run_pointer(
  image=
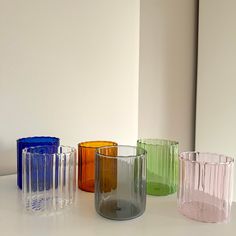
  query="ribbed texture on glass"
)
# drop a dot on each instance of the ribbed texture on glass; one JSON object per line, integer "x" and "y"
{"x": 205, "y": 186}
{"x": 86, "y": 163}
{"x": 31, "y": 142}
{"x": 162, "y": 165}
{"x": 120, "y": 185}
{"x": 48, "y": 178}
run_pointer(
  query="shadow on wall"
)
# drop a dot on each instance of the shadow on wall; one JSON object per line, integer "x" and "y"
{"x": 8, "y": 159}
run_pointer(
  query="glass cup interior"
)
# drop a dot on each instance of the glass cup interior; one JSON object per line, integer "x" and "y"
{"x": 206, "y": 157}
{"x": 158, "y": 142}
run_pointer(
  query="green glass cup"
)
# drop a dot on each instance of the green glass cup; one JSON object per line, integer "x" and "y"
{"x": 162, "y": 165}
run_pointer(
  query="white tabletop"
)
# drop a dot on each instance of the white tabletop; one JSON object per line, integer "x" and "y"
{"x": 160, "y": 218}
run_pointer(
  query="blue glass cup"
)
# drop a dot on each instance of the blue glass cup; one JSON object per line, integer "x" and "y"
{"x": 32, "y": 142}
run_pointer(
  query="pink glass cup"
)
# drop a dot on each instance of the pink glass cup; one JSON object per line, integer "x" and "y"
{"x": 205, "y": 186}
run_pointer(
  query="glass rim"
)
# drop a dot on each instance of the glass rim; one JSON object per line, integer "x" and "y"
{"x": 146, "y": 140}
{"x": 182, "y": 157}
{"x": 71, "y": 150}
{"x": 37, "y": 139}
{"x": 144, "y": 152}
{"x": 98, "y": 141}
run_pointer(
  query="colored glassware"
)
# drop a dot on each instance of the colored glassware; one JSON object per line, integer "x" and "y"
{"x": 54, "y": 185}
{"x": 162, "y": 165}
{"x": 126, "y": 199}
{"x": 205, "y": 186}
{"x": 31, "y": 142}
{"x": 86, "y": 163}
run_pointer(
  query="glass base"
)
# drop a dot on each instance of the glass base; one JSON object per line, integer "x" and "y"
{"x": 42, "y": 204}
{"x": 119, "y": 210}
{"x": 159, "y": 189}
{"x": 87, "y": 186}
{"x": 203, "y": 212}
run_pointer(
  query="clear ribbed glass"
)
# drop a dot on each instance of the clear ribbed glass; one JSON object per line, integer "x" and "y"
{"x": 162, "y": 165}
{"x": 205, "y": 186}
{"x": 120, "y": 183}
{"x": 48, "y": 178}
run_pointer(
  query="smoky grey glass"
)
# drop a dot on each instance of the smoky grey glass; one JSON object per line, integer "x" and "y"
{"x": 120, "y": 182}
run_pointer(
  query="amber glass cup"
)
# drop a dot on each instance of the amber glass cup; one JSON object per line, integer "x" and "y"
{"x": 86, "y": 164}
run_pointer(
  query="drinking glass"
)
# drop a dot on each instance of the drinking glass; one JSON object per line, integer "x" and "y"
{"x": 48, "y": 178}
{"x": 205, "y": 186}
{"x": 31, "y": 142}
{"x": 162, "y": 165}
{"x": 86, "y": 163}
{"x": 120, "y": 183}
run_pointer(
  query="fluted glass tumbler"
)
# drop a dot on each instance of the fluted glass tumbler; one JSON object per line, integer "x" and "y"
{"x": 48, "y": 178}
{"x": 162, "y": 165}
{"x": 120, "y": 183}
{"x": 205, "y": 186}
{"x": 31, "y": 142}
{"x": 86, "y": 163}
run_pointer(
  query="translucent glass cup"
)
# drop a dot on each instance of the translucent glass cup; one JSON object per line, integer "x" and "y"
{"x": 48, "y": 180}
{"x": 120, "y": 183}
{"x": 86, "y": 163}
{"x": 205, "y": 186}
{"x": 162, "y": 165}
{"x": 31, "y": 142}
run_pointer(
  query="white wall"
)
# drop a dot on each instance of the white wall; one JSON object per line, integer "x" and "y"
{"x": 68, "y": 69}
{"x": 216, "y": 96}
{"x": 167, "y": 70}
